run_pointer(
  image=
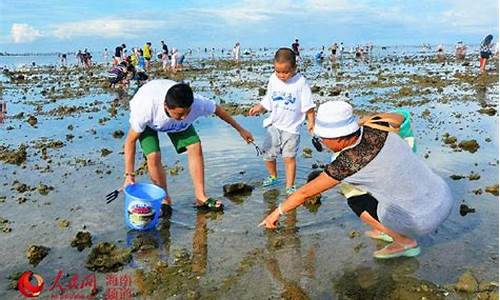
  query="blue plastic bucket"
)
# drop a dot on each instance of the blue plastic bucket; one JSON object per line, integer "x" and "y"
{"x": 142, "y": 205}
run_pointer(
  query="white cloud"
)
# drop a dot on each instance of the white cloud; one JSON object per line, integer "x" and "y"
{"x": 332, "y": 5}
{"x": 107, "y": 28}
{"x": 251, "y": 11}
{"x": 23, "y": 33}
{"x": 471, "y": 16}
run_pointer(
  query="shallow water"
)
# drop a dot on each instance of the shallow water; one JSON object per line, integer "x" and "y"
{"x": 317, "y": 254}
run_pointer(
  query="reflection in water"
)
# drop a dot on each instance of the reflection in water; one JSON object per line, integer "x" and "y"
{"x": 158, "y": 278}
{"x": 481, "y": 95}
{"x": 390, "y": 281}
{"x": 285, "y": 246}
{"x": 200, "y": 248}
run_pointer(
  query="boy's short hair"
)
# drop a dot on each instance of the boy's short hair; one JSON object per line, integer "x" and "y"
{"x": 179, "y": 95}
{"x": 285, "y": 55}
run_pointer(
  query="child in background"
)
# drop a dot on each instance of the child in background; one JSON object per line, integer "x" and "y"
{"x": 289, "y": 99}
{"x": 141, "y": 62}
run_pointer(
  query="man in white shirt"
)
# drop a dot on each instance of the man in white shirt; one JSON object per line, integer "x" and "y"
{"x": 171, "y": 107}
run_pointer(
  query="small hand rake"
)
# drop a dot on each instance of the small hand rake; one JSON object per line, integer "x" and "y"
{"x": 113, "y": 195}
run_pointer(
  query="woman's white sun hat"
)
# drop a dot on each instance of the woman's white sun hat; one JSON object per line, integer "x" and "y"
{"x": 335, "y": 119}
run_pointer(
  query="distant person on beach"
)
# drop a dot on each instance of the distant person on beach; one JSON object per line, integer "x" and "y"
{"x": 141, "y": 62}
{"x": 177, "y": 60}
{"x": 3, "y": 110}
{"x": 171, "y": 107}
{"x": 164, "y": 61}
{"x": 485, "y": 52}
{"x": 237, "y": 52}
{"x": 63, "y": 59}
{"x": 440, "y": 52}
{"x": 406, "y": 198}
{"x": 147, "y": 54}
{"x": 460, "y": 50}
{"x": 296, "y": 49}
{"x": 341, "y": 49}
{"x": 333, "y": 54}
{"x": 319, "y": 57}
{"x": 496, "y": 56}
{"x": 164, "y": 47}
{"x": 79, "y": 58}
{"x": 105, "y": 56}
{"x": 120, "y": 75}
{"x": 118, "y": 58}
{"x": 359, "y": 53}
{"x": 132, "y": 59}
{"x": 87, "y": 58}
{"x": 125, "y": 55}
{"x": 289, "y": 101}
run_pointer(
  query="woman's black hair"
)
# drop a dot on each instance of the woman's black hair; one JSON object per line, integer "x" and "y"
{"x": 487, "y": 40}
{"x": 179, "y": 95}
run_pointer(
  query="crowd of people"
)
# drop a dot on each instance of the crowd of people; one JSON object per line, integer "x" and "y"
{"x": 126, "y": 66}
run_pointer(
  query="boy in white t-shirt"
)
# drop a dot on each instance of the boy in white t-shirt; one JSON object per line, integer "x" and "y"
{"x": 289, "y": 100}
{"x": 171, "y": 107}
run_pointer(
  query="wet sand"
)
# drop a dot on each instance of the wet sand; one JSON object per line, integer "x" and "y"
{"x": 56, "y": 170}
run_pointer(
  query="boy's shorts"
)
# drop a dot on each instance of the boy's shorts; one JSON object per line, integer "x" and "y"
{"x": 150, "y": 143}
{"x": 280, "y": 142}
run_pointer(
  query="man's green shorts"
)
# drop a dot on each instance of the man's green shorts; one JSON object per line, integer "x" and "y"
{"x": 150, "y": 143}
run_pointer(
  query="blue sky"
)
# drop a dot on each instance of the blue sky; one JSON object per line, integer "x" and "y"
{"x": 61, "y": 25}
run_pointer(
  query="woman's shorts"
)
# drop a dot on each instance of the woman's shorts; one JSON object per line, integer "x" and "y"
{"x": 362, "y": 203}
{"x": 279, "y": 142}
{"x": 150, "y": 143}
{"x": 485, "y": 54}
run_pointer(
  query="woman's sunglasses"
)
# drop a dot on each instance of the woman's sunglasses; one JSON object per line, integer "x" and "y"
{"x": 317, "y": 144}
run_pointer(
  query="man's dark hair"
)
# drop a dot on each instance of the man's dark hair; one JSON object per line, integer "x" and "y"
{"x": 124, "y": 46}
{"x": 179, "y": 95}
{"x": 285, "y": 55}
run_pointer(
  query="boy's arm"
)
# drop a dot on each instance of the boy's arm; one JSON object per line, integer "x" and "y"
{"x": 221, "y": 113}
{"x": 310, "y": 121}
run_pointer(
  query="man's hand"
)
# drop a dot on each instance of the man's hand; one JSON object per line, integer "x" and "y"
{"x": 271, "y": 221}
{"x": 129, "y": 179}
{"x": 246, "y": 135}
{"x": 255, "y": 110}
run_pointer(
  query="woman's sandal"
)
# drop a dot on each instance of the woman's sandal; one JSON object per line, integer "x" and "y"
{"x": 407, "y": 251}
{"x": 210, "y": 204}
{"x": 382, "y": 236}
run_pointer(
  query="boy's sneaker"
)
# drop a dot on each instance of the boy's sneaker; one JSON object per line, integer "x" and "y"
{"x": 290, "y": 190}
{"x": 271, "y": 180}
